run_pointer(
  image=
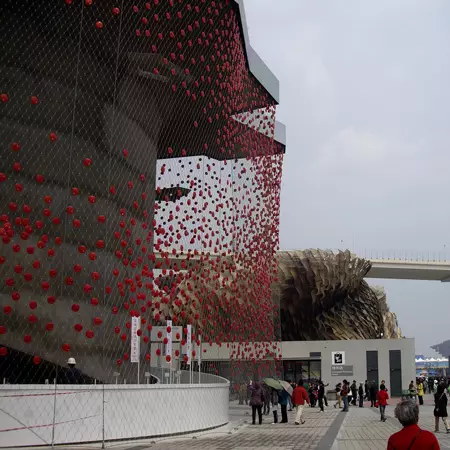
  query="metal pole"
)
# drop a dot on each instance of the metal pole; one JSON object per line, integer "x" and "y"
{"x": 138, "y": 369}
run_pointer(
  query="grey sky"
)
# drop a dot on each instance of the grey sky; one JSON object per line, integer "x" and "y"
{"x": 365, "y": 96}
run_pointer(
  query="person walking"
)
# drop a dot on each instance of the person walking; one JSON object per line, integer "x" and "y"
{"x": 283, "y": 400}
{"x": 256, "y": 401}
{"x": 373, "y": 393}
{"x": 299, "y": 397}
{"x": 354, "y": 390}
{"x": 361, "y": 395}
{"x": 411, "y": 437}
{"x": 382, "y": 397}
{"x": 344, "y": 395}
{"x": 267, "y": 395}
{"x": 440, "y": 408}
{"x": 321, "y": 395}
{"x": 338, "y": 395}
{"x": 420, "y": 391}
{"x": 274, "y": 399}
{"x": 412, "y": 390}
{"x": 290, "y": 398}
{"x": 366, "y": 390}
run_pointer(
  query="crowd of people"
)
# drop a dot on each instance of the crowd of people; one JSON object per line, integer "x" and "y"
{"x": 263, "y": 399}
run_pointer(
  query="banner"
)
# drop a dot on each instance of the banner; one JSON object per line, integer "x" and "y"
{"x": 169, "y": 339}
{"x": 199, "y": 356}
{"x": 189, "y": 344}
{"x": 135, "y": 339}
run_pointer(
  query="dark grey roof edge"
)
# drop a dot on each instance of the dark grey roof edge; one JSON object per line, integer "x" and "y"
{"x": 257, "y": 66}
{"x": 261, "y": 72}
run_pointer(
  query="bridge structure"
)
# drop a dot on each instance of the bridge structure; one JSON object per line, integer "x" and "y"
{"x": 400, "y": 268}
{"x": 403, "y": 269}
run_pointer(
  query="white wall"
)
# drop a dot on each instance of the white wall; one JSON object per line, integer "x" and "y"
{"x": 130, "y": 411}
{"x": 355, "y": 353}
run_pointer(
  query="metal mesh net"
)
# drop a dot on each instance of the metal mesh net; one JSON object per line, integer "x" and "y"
{"x": 139, "y": 202}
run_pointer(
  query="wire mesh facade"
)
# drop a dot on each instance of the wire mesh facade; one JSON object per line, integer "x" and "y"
{"x": 139, "y": 178}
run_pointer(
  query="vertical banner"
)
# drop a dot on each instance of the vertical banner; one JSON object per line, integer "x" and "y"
{"x": 135, "y": 340}
{"x": 169, "y": 338}
{"x": 199, "y": 356}
{"x": 189, "y": 344}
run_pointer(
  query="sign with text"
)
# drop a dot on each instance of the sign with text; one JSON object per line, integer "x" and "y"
{"x": 341, "y": 370}
{"x": 189, "y": 344}
{"x": 169, "y": 339}
{"x": 337, "y": 357}
{"x": 135, "y": 339}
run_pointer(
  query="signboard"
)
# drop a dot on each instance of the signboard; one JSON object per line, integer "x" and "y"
{"x": 189, "y": 344}
{"x": 337, "y": 358}
{"x": 135, "y": 340}
{"x": 169, "y": 339}
{"x": 341, "y": 370}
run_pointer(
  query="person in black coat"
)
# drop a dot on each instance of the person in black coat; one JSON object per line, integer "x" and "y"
{"x": 361, "y": 395}
{"x": 373, "y": 389}
{"x": 440, "y": 408}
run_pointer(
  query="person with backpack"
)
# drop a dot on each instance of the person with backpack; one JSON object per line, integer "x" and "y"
{"x": 274, "y": 401}
{"x": 256, "y": 401}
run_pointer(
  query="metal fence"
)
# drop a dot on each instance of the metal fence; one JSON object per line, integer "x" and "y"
{"x": 139, "y": 203}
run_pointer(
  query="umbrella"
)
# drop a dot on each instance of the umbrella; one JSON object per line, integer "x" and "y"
{"x": 271, "y": 382}
{"x": 287, "y": 387}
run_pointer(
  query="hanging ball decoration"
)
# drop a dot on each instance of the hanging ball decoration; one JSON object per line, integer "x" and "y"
{"x": 66, "y": 347}
{"x": 116, "y": 11}
{"x": 49, "y": 326}
{"x": 36, "y": 360}
{"x": 34, "y": 100}
{"x": 87, "y": 162}
{"x": 53, "y": 137}
{"x": 89, "y": 334}
{"x": 3, "y": 351}
{"x": 15, "y": 146}
{"x": 27, "y": 339}
{"x": 99, "y": 25}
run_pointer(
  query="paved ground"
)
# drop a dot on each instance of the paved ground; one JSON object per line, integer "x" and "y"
{"x": 358, "y": 429}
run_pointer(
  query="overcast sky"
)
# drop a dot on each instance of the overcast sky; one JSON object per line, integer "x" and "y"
{"x": 365, "y": 96}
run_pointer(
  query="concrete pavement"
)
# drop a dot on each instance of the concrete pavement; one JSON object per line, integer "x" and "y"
{"x": 359, "y": 429}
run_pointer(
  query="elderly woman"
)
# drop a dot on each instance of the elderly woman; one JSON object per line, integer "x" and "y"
{"x": 411, "y": 437}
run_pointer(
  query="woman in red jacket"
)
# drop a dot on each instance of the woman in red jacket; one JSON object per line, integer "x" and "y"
{"x": 299, "y": 397}
{"x": 411, "y": 437}
{"x": 382, "y": 397}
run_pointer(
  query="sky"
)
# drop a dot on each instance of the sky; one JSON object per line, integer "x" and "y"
{"x": 365, "y": 97}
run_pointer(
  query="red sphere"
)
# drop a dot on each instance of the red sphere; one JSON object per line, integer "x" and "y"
{"x": 89, "y": 334}
{"x": 99, "y": 25}
{"x": 78, "y": 327}
{"x": 34, "y": 100}
{"x": 27, "y": 339}
{"x": 15, "y": 146}
{"x": 116, "y": 11}
{"x": 36, "y": 360}
{"x": 3, "y": 351}
{"x": 53, "y": 137}
{"x": 66, "y": 347}
{"x": 49, "y": 326}
{"x": 87, "y": 161}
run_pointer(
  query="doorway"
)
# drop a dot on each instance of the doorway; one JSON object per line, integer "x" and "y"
{"x": 372, "y": 366}
{"x": 395, "y": 367}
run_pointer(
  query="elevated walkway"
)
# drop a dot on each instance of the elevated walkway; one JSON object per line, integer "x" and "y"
{"x": 410, "y": 270}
